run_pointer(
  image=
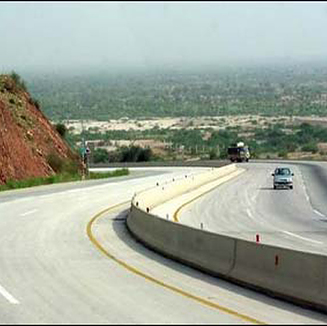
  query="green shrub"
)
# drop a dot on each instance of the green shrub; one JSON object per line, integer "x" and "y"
{"x": 102, "y": 175}
{"x": 55, "y": 162}
{"x": 61, "y": 129}
{"x": 213, "y": 154}
{"x": 135, "y": 154}
{"x": 36, "y": 103}
{"x": 70, "y": 167}
{"x": 18, "y": 80}
{"x": 282, "y": 154}
{"x": 100, "y": 155}
{"x": 311, "y": 147}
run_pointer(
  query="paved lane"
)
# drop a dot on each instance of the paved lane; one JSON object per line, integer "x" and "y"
{"x": 51, "y": 272}
{"x": 249, "y": 205}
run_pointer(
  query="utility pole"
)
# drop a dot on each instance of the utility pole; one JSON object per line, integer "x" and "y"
{"x": 84, "y": 151}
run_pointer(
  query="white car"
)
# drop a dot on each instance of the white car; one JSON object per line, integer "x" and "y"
{"x": 283, "y": 178}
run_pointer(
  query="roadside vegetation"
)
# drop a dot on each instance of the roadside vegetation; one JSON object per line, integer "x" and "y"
{"x": 65, "y": 170}
{"x": 124, "y": 154}
{"x": 60, "y": 178}
{"x": 275, "y": 140}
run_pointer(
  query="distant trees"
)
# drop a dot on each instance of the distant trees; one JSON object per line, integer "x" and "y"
{"x": 274, "y": 139}
{"x": 302, "y": 138}
{"x": 265, "y": 91}
{"x": 237, "y": 91}
{"x": 186, "y": 137}
{"x": 123, "y": 154}
{"x": 100, "y": 155}
{"x": 311, "y": 147}
{"x": 135, "y": 154}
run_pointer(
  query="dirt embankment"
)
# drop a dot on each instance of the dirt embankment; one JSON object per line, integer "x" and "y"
{"x": 27, "y": 138}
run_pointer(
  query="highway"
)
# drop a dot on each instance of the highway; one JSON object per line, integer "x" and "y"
{"x": 67, "y": 257}
{"x": 249, "y": 207}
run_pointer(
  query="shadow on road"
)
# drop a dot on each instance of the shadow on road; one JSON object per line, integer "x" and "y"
{"x": 266, "y": 188}
{"x": 122, "y": 232}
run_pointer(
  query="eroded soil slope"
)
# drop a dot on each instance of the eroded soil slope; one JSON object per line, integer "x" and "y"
{"x": 27, "y": 138}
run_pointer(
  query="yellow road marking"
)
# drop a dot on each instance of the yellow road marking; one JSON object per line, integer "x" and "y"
{"x": 156, "y": 281}
{"x": 190, "y": 201}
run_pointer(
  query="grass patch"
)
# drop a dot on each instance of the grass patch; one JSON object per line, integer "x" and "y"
{"x": 60, "y": 178}
{"x": 102, "y": 175}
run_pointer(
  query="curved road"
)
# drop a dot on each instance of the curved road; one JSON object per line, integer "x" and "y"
{"x": 66, "y": 257}
{"x": 249, "y": 206}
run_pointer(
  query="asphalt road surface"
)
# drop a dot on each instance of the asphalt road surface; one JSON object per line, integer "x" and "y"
{"x": 249, "y": 206}
{"x": 66, "y": 257}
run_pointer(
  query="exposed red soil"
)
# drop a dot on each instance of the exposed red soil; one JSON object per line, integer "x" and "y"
{"x": 26, "y": 137}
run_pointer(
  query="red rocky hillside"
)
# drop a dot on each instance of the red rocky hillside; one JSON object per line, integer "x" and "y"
{"x": 27, "y": 138}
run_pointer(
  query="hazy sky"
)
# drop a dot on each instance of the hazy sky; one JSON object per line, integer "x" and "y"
{"x": 60, "y": 35}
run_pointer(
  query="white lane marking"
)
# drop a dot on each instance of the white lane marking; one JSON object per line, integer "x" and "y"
{"x": 308, "y": 198}
{"x": 302, "y": 238}
{"x": 304, "y": 188}
{"x": 250, "y": 214}
{"x": 8, "y": 296}
{"x": 29, "y": 212}
{"x": 318, "y": 213}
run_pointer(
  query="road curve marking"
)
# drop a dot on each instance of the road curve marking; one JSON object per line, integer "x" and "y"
{"x": 29, "y": 212}
{"x": 8, "y": 296}
{"x": 319, "y": 213}
{"x": 302, "y": 238}
{"x": 156, "y": 281}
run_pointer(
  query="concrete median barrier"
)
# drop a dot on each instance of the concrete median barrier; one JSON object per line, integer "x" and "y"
{"x": 292, "y": 275}
{"x": 207, "y": 251}
{"x": 161, "y": 193}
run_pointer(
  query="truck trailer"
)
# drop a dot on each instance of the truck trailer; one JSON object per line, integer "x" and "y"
{"x": 238, "y": 152}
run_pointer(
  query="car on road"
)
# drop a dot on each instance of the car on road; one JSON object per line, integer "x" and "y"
{"x": 283, "y": 178}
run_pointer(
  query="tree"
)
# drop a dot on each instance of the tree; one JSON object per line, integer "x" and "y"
{"x": 61, "y": 129}
{"x": 18, "y": 80}
{"x": 213, "y": 154}
{"x": 100, "y": 155}
{"x": 135, "y": 154}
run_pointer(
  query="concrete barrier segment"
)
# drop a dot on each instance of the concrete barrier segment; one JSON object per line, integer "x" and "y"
{"x": 292, "y": 275}
{"x": 152, "y": 197}
{"x": 298, "y": 277}
{"x": 206, "y": 251}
